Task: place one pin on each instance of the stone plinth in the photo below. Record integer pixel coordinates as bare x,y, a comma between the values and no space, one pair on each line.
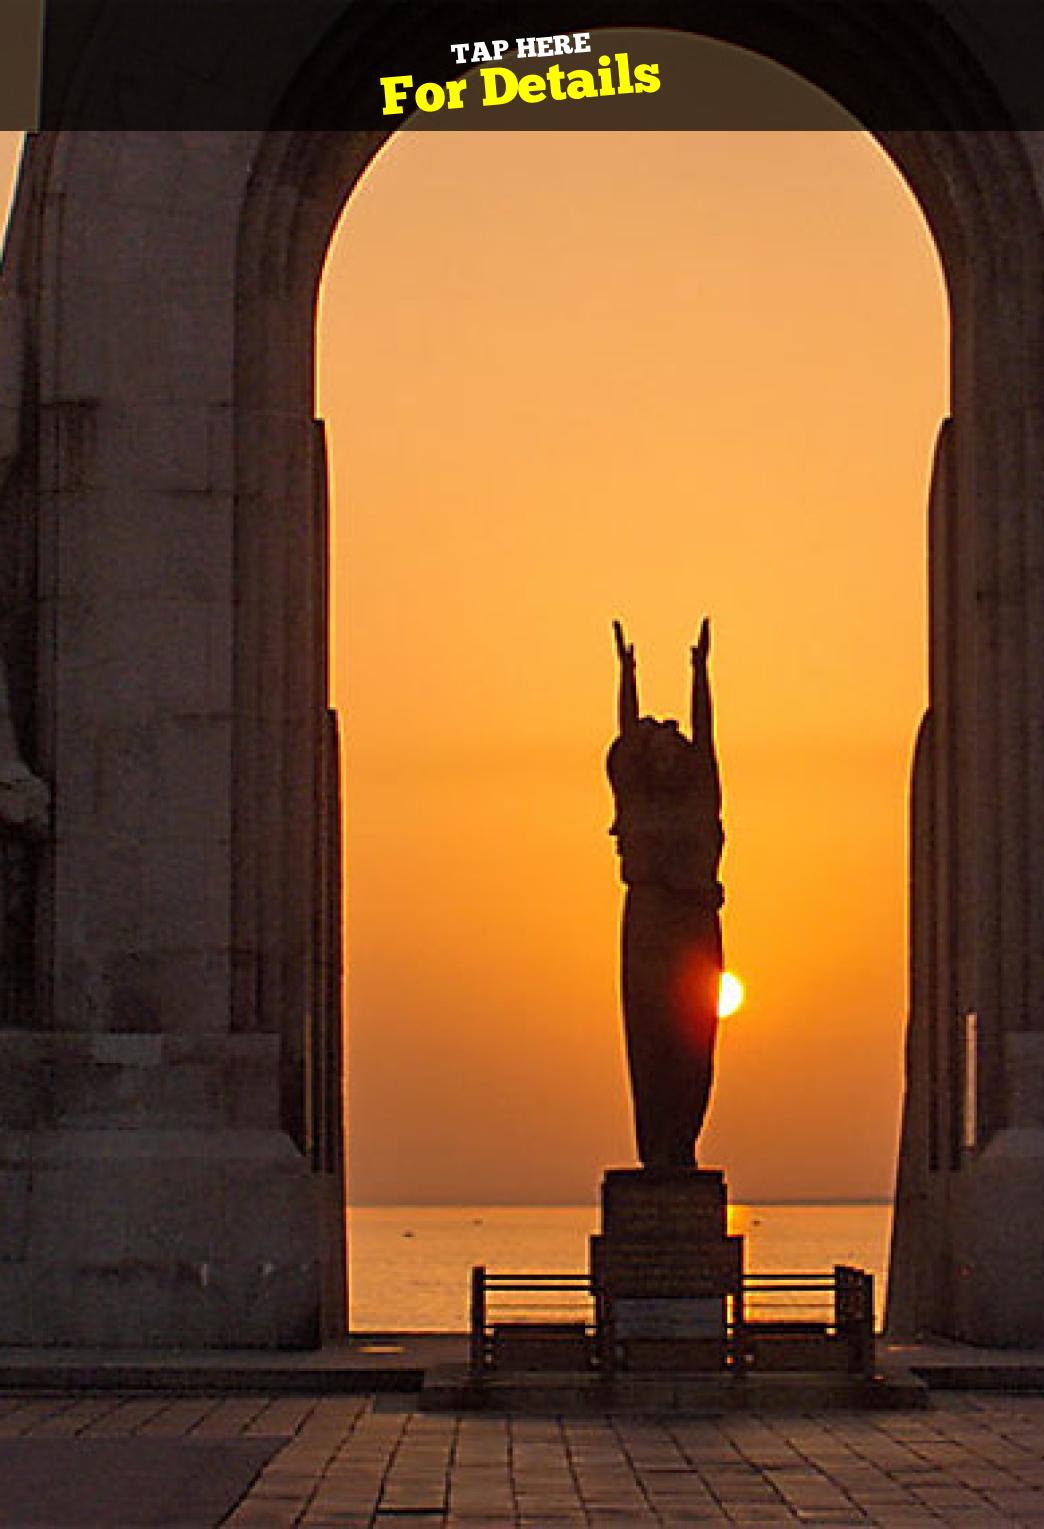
662,1270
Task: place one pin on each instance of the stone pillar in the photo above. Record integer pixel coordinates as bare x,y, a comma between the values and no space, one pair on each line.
920,1280
157,1185
327,1078
910,1289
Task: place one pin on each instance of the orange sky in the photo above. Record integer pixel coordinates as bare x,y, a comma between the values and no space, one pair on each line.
575,376
580,375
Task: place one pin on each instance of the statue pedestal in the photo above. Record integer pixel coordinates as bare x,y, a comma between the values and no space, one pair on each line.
662,1270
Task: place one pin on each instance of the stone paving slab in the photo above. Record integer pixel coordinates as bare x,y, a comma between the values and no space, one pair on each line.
346,1462
75,1480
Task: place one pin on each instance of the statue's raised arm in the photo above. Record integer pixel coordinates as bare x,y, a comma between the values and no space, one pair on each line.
702,706
628,694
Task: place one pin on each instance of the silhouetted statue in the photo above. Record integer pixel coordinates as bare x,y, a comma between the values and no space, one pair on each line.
669,838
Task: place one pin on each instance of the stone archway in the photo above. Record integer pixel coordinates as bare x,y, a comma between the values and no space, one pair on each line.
172,1135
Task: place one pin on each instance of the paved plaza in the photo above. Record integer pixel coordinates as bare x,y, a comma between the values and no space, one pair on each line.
353,1462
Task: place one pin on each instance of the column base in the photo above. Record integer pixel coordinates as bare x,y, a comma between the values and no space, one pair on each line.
161,1239
998,1242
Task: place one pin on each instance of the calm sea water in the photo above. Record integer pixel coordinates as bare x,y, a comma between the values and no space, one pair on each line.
410,1266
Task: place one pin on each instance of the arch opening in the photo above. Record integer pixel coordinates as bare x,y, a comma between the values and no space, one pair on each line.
975,190
687,403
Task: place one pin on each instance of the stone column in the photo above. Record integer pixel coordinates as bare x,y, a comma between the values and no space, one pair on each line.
998,1187
910,1289
152,1194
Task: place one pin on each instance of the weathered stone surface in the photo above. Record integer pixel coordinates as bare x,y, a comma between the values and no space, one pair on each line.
52,1081
152,1238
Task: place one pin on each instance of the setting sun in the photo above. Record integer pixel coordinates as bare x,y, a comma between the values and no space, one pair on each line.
730,995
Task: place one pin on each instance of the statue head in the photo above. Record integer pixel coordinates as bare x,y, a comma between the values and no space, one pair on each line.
666,752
